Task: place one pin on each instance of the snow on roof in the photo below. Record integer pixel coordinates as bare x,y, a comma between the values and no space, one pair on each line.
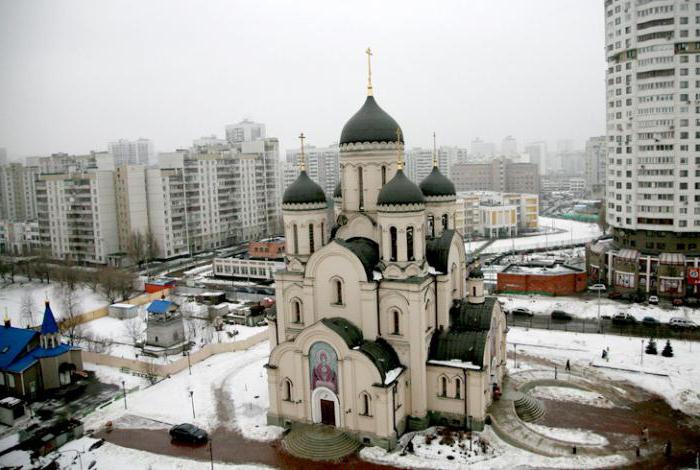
10,401
542,270
392,375
455,363
123,306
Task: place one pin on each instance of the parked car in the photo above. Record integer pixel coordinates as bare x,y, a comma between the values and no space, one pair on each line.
677,302
650,321
653,300
187,432
605,316
678,323
560,315
624,319
521,311
614,295
597,287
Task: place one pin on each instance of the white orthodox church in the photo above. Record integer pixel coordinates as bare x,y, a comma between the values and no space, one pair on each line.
379,327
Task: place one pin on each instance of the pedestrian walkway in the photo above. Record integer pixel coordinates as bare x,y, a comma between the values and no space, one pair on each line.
509,427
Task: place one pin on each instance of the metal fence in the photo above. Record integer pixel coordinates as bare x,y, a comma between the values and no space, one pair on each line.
590,325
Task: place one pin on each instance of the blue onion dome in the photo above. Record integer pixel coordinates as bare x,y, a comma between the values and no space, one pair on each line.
400,191
437,185
370,124
304,190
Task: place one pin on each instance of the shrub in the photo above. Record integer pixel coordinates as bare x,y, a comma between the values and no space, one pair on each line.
668,350
651,347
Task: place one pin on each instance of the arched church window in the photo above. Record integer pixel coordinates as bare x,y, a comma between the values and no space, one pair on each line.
443,386
383,175
295,239
445,220
396,322
287,390
366,403
409,244
323,230
296,311
361,186
394,248
458,388
455,278
338,291
431,225
312,245
474,291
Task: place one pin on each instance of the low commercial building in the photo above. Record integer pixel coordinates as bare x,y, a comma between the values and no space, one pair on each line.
496,215
552,279
267,248
123,311
632,272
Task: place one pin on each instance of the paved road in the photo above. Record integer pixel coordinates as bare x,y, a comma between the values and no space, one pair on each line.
590,325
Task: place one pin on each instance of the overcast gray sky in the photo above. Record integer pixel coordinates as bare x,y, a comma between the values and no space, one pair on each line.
77,74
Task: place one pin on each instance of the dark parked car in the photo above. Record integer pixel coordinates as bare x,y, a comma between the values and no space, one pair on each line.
650,321
624,319
188,433
677,302
614,295
560,315
521,311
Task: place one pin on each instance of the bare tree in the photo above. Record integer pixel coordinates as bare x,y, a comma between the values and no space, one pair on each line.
107,282
96,343
125,281
602,222
70,319
67,275
135,329
136,247
27,309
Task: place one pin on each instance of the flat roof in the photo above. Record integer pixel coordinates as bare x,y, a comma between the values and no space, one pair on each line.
553,270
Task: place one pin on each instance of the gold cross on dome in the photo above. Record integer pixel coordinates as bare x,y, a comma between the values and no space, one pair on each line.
302,160
369,71
399,156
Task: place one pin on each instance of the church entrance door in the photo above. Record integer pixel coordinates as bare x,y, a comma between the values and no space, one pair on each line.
328,412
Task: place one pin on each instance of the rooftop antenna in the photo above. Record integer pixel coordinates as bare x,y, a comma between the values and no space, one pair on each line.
302,165
369,72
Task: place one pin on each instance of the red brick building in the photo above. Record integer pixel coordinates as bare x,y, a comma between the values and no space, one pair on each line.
268,248
556,279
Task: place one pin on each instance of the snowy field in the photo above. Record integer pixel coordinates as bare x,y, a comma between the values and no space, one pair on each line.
676,379
588,308
583,397
575,231
11,299
573,436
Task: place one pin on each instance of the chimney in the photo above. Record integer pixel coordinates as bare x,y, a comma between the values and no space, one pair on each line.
7,321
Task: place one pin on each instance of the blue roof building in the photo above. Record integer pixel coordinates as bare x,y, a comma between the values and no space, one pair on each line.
32,362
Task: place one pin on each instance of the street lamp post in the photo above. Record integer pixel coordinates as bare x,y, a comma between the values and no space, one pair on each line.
189,365
515,355
641,355
124,388
192,400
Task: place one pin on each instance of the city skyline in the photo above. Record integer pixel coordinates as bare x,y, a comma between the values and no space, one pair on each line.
172,83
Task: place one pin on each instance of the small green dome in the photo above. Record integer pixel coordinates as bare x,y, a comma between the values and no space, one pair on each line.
400,190
304,190
437,184
370,124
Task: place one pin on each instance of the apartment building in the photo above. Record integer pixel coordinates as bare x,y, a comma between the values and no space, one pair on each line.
595,158
419,161
19,238
245,131
77,215
131,152
499,174
653,139
321,165
17,192
132,205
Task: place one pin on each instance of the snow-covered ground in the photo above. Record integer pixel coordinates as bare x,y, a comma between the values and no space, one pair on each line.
575,395
229,372
676,379
11,299
112,457
588,308
575,231
574,436
498,456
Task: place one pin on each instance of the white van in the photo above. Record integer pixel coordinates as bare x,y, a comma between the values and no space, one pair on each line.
678,322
